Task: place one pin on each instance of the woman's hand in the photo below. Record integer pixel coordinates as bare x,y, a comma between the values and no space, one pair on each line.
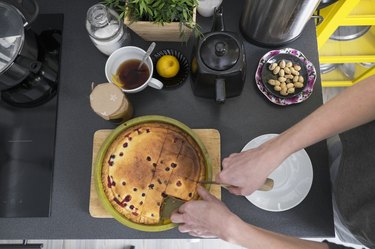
207,218
248,170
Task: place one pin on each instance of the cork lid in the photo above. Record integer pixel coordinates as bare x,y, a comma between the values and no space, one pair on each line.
106,99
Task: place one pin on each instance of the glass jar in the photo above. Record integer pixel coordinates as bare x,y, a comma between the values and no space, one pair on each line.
109,102
106,29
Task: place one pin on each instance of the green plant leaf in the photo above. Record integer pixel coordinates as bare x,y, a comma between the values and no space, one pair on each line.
185,15
160,7
157,11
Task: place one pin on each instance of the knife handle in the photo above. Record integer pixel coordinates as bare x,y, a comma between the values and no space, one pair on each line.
267,186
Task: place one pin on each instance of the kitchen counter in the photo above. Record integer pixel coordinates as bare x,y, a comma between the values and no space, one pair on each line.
239,120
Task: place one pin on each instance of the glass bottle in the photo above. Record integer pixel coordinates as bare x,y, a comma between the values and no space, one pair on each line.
106,29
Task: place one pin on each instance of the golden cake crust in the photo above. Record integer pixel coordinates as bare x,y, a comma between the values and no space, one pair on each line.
147,162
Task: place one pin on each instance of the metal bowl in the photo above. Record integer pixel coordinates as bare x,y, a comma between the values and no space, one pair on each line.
348,33
327,67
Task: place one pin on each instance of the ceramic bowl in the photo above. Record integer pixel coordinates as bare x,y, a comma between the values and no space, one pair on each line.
263,74
181,76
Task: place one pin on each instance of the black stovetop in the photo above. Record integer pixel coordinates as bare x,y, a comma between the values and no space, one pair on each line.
27,137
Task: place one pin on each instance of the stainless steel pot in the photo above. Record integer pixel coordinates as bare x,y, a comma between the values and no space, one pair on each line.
18,45
275,22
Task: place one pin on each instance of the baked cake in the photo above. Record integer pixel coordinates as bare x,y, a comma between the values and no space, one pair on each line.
145,164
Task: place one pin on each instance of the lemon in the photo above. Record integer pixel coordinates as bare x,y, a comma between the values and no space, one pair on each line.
167,66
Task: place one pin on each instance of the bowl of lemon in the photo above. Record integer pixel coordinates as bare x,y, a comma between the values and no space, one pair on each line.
172,67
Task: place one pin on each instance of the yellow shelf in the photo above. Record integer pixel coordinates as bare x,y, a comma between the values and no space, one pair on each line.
364,7
347,13
337,83
338,75
358,50
337,78
333,16
358,20
363,13
335,75
346,59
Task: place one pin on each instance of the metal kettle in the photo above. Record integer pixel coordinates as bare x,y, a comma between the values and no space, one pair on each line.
218,63
273,23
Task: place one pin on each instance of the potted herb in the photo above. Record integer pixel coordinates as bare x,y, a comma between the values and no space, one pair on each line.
158,20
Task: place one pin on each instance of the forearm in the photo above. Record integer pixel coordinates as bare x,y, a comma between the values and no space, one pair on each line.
250,236
353,107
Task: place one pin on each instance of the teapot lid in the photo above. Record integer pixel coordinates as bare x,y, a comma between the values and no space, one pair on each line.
11,35
220,51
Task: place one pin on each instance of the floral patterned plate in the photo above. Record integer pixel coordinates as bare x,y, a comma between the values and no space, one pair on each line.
309,70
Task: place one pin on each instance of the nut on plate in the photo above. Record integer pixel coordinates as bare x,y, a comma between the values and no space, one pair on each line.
287,77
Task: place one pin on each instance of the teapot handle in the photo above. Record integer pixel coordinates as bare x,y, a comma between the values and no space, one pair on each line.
218,24
220,90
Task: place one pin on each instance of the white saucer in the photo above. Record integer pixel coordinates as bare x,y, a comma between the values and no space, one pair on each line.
292,180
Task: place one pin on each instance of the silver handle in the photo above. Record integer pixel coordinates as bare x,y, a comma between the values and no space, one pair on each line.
319,17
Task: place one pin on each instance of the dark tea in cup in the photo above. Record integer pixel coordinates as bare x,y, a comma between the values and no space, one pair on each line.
129,77
121,69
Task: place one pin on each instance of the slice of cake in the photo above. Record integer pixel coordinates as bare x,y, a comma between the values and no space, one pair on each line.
151,210
182,187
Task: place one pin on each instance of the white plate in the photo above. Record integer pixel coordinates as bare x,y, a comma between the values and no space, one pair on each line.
292,180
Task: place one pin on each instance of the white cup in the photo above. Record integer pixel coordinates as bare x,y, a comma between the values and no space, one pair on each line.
130,53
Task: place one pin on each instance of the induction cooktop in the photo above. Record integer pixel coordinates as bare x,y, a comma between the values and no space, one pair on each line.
27,130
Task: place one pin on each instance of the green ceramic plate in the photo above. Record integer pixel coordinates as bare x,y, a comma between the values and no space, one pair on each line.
167,224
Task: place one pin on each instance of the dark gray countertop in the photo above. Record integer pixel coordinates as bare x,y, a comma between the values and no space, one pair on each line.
238,120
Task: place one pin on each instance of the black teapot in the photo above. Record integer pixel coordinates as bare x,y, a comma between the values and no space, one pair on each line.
218,63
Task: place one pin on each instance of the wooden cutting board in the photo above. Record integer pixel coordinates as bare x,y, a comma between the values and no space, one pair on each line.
209,137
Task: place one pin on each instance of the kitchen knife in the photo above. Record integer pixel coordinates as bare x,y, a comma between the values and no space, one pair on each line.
268,184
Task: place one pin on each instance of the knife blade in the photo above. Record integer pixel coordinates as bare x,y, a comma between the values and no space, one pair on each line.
267,186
